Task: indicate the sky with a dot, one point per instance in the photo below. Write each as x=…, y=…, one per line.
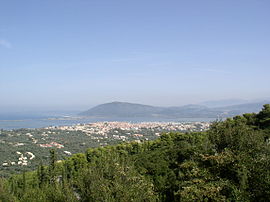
x=74, y=54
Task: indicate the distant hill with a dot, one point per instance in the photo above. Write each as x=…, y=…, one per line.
x=224, y=102
x=122, y=109
x=128, y=110
x=242, y=108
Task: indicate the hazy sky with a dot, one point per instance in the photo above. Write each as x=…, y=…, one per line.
x=79, y=53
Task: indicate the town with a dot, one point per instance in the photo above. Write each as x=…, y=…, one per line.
x=26, y=148
x=103, y=128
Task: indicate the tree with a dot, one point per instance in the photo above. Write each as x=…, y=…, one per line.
x=4, y=192
x=109, y=179
x=263, y=117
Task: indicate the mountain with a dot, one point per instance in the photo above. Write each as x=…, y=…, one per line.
x=242, y=108
x=122, y=109
x=223, y=103
x=128, y=110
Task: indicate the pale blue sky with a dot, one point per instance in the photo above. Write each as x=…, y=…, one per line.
x=79, y=53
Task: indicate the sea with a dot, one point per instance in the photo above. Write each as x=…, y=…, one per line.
x=19, y=121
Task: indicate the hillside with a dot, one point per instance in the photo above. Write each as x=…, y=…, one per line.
x=124, y=110
x=229, y=162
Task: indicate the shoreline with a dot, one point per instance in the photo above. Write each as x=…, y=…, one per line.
x=56, y=122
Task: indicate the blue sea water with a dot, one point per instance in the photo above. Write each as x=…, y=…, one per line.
x=17, y=121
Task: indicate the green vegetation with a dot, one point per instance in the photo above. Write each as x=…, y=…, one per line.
x=30, y=140
x=229, y=162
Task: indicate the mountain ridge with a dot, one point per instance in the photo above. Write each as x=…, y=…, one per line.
x=125, y=109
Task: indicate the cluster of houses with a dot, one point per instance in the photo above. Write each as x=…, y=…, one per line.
x=52, y=144
x=23, y=159
x=103, y=128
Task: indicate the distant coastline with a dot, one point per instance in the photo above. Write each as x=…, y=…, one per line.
x=62, y=121
x=125, y=112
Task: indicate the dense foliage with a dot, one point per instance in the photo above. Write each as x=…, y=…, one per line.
x=229, y=162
